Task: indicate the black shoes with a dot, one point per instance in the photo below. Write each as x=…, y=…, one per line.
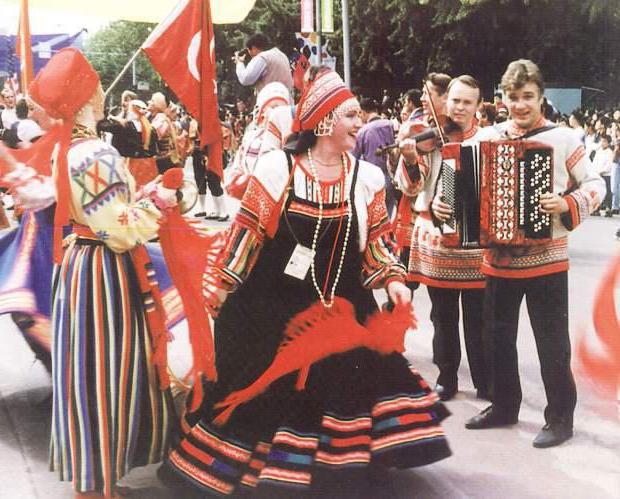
x=200, y=214
x=553, y=434
x=446, y=392
x=491, y=417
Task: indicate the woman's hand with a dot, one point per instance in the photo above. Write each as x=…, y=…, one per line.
x=398, y=292
x=163, y=197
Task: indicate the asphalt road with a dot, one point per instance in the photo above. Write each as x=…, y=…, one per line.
x=497, y=463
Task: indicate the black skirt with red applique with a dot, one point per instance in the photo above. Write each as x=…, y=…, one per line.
x=359, y=408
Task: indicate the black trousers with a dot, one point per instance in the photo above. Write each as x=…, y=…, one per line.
x=200, y=172
x=446, y=339
x=164, y=164
x=606, y=204
x=547, y=304
x=205, y=178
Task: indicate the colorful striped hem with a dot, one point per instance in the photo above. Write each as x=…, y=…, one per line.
x=350, y=458
x=286, y=476
x=410, y=437
x=200, y=475
x=405, y=402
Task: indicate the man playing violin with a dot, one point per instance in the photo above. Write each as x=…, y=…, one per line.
x=452, y=275
x=434, y=94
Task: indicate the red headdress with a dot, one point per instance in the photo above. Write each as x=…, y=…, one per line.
x=322, y=96
x=62, y=88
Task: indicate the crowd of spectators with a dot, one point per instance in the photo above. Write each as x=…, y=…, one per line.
x=176, y=134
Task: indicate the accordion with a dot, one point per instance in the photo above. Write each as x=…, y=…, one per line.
x=494, y=190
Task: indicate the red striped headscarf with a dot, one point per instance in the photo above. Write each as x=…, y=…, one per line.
x=322, y=96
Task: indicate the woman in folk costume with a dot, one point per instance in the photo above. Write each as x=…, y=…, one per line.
x=312, y=226
x=26, y=268
x=273, y=95
x=111, y=410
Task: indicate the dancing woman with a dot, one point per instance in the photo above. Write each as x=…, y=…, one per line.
x=111, y=411
x=312, y=226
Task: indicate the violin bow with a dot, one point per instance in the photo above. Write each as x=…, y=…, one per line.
x=434, y=113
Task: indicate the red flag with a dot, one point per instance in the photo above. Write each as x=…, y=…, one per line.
x=301, y=67
x=23, y=47
x=598, y=356
x=182, y=50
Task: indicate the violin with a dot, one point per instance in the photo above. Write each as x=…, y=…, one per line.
x=429, y=137
x=445, y=130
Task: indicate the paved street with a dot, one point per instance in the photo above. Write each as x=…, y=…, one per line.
x=486, y=464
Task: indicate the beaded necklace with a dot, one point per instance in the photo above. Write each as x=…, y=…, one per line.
x=315, y=237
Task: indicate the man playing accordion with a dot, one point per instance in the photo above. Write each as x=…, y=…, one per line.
x=540, y=271
x=452, y=275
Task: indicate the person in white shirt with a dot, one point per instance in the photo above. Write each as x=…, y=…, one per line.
x=27, y=130
x=8, y=116
x=602, y=164
x=591, y=141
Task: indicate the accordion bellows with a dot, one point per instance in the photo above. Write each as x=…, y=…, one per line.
x=494, y=189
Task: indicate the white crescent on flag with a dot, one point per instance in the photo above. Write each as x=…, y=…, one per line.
x=182, y=50
x=148, y=11
x=192, y=55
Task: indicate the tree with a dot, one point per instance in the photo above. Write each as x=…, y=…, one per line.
x=109, y=50
x=395, y=43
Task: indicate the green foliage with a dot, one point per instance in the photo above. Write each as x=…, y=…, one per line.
x=394, y=43
x=109, y=50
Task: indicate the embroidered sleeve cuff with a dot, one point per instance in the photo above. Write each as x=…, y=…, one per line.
x=577, y=210
x=381, y=277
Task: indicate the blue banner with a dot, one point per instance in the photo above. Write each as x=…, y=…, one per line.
x=43, y=47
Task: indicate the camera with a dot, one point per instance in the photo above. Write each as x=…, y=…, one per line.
x=241, y=54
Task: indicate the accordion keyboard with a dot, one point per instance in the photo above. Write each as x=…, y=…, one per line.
x=535, y=179
x=448, y=185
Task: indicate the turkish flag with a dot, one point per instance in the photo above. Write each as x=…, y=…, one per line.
x=300, y=70
x=182, y=50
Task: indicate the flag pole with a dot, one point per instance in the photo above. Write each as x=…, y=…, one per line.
x=123, y=71
x=24, y=43
x=346, y=43
x=318, y=21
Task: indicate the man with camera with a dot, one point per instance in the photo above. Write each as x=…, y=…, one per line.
x=266, y=64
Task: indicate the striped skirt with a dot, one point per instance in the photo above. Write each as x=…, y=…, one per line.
x=108, y=412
